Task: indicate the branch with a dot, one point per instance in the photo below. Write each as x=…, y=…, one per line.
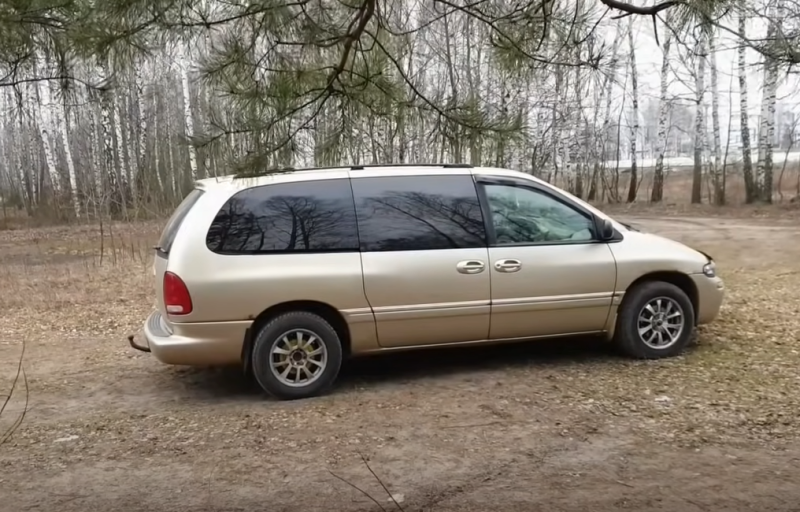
x=60, y=78
x=365, y=493
x=365, y=13
x=630, y=9
x=20, y=371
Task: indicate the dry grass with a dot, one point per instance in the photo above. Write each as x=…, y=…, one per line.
x=96, y=405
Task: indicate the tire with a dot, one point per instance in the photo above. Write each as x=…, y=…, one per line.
x=325, y=347
x=627, y=337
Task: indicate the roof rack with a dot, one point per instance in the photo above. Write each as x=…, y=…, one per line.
x=352, y=168
x=446, y=166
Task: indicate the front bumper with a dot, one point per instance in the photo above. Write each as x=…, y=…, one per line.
x=193, y=344
x=710, y=295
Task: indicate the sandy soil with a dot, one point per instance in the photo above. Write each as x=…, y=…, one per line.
x=564, y=425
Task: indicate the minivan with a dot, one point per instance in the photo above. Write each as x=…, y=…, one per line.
x=289, y=273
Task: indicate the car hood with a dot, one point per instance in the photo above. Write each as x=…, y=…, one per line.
x=674, y=244
x=663, y=244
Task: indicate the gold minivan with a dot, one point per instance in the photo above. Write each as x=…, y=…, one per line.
x=289, y=273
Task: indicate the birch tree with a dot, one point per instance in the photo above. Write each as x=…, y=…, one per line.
x=657, y=193
x=766, y=132
x=188, y=116
x=700, y=125
x=63, y=116
x=633, y=184
x=751, y=192
x=719, y=192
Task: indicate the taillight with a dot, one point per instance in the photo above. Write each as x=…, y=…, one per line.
x=176, y=296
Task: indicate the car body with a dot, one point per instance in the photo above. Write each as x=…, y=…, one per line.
x=289, y=273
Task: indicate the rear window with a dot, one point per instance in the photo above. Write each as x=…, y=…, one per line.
x=174, y=223
x=307, y=216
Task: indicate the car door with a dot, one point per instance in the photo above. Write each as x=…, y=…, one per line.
x=550, y=275
x=424, y=257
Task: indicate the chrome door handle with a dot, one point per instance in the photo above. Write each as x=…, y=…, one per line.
x=507, y=265
x=470, y=266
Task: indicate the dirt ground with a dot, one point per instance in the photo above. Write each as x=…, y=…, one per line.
x=556, y=426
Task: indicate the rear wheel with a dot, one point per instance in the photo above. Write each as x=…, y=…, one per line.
x=296, y=355
x=656, y=320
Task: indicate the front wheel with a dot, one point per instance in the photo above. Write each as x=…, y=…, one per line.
x=656, y=320
x=296, y=355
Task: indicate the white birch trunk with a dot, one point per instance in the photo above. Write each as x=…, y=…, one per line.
x=719, y=198
x=44, y=120
x=108, y=110
x=73, y=178
x=97, y=148
x=700, y=125
x=175, y=176
x=143, y=126
x=124, y=170
x=751, y=192
x=766, y=132
x=188, y=118
x=657, y=194
x=130, y=139
x=633, y=184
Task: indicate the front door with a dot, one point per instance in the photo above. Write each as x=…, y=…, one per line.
x=424, y=257
x=550, y=275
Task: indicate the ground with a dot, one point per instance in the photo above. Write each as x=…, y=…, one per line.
x=564, y=425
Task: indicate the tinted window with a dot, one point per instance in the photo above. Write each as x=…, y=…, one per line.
x=174, y=223
x=288, y=217
x=411, y=213
x=523, y=215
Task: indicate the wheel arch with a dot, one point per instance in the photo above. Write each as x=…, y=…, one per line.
x=679, y=279
x=326, y=311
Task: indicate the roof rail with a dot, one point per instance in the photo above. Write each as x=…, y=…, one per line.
x=446, y=166
x=265, y=172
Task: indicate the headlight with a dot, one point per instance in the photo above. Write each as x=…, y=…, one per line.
x=710, y=269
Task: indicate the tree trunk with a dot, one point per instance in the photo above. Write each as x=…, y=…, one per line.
x=751, y=193
x=766, y=132
x=73, y=180
x=719, y=193
x=700, y=125
x=657, y=194
x=188, y=117
x=44, y=120
x=608, y=86
x=633, y=184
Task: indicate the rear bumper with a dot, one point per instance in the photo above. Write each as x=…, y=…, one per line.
x=193, y=344
x=710, y=295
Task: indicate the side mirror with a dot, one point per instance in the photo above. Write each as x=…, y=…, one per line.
x=605, y=230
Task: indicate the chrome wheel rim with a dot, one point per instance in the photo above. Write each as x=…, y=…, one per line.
x=660, y=323
x=298, y=358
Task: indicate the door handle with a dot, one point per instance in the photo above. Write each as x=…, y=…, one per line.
x=507, y=265
x=470, y=266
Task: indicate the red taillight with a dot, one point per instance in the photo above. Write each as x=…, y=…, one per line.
x=176, y=296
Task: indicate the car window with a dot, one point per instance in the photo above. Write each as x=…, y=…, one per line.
x=412, y=213
x=523, y=215
x=174, y=223
x=287, y=217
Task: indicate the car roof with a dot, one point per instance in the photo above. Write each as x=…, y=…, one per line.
x=356, y=171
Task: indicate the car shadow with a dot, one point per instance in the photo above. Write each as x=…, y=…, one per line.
x=440, y=362
x=387, y=369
